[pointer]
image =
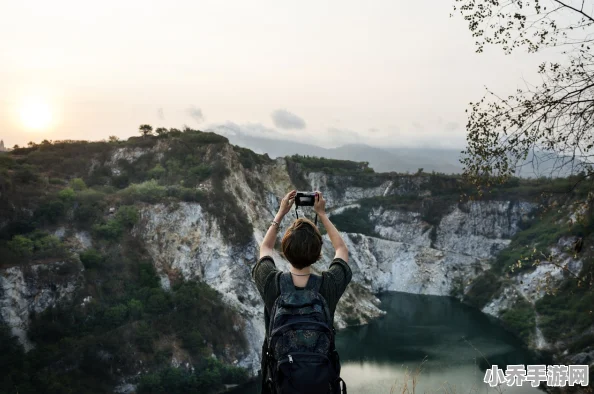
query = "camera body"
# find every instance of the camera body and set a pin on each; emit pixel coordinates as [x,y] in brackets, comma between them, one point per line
[305,199]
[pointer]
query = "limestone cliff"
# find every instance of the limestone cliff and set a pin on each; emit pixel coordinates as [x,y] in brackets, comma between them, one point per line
[413,240]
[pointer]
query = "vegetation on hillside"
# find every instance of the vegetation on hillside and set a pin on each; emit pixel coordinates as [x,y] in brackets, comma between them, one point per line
[565,311]
[130,323]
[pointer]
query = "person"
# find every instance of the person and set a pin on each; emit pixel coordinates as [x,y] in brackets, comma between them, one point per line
[301,246]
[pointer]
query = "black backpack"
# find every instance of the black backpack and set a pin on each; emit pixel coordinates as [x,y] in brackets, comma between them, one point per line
[300,355]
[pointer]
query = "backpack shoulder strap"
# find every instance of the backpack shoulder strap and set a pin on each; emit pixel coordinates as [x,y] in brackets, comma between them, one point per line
[314,283]
[286,283]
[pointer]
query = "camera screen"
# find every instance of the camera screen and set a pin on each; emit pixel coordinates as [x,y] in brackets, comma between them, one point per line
[305,199]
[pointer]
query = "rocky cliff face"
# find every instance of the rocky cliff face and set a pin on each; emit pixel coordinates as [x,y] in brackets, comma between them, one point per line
[186,240]
[33,289]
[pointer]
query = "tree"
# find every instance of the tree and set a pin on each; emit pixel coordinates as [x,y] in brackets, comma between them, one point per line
[175,132]
[145,129]
[161,131]
[113,138]
[548,125]
[78,184]
[21,246]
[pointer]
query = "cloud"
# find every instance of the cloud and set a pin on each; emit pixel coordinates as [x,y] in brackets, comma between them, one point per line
[196,114]
[284,119]
[160,114]
[373,130]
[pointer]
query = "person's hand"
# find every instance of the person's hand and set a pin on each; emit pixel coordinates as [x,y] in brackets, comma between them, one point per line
[287,202]
[319,204]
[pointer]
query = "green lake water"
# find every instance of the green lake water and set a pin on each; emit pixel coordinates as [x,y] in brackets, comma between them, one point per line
[452,343]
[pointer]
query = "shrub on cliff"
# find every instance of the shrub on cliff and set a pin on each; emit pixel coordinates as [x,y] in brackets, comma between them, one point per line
[149,191]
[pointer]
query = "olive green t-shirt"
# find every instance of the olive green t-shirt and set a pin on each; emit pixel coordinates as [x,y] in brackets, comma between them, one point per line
[334,283]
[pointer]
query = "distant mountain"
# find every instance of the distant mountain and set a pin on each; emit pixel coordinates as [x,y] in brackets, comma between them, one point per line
[381,160]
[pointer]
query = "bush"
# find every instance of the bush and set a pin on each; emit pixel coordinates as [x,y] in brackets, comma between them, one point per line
[46,245]
[144,337]
[78,184]
[21,246]
[112,230]
[200,172]
[521,319]
[193,341]
[127,215]
[116,315]
[67,195]
[157,172]
[91,258]
[355,220]
[483,289]
[50,212]
[149,191]
[135,308]
[90,207]
[158,301]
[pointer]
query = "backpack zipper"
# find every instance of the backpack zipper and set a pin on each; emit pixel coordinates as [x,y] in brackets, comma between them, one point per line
[290,359]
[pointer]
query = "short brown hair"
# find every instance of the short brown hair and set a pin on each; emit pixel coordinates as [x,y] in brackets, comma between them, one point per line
[302,243]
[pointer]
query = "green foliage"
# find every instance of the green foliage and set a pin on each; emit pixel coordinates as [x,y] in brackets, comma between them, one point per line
[51,212]
[483,289]
[67,195]
[205,379]
[21,246]
[195,137]
[355,220]
[112,230]
[135,308]
[90,207]
[78,184]
[200,172]
[539,235]
[36,245]
[127,215]
[193,341]
[233,222]
[91,258]
[330,166]
[129,317]
[116,315]
[149,191]
[125,218]
[521,319]
[145,129]
[567,314]
[249,159]
[157,172]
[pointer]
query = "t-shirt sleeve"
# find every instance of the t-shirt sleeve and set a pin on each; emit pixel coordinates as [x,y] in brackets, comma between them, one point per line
[264,274]
[336,279]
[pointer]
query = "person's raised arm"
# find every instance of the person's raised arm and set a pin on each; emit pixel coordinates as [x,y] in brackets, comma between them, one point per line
[270,238]
[339,246]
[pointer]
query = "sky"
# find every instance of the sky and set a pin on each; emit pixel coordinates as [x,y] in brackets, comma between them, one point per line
[381,72]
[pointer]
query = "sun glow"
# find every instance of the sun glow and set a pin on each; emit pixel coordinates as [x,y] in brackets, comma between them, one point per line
[35,113]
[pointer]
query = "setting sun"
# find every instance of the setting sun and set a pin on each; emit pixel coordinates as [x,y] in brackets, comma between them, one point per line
[35,113]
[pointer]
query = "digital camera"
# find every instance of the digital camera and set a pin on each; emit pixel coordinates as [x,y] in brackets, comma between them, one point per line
[305,199]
